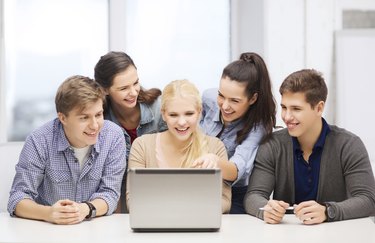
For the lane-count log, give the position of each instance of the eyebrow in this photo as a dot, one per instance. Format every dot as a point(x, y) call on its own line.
point(125, 86)
point(291, 106)
point(232, 98)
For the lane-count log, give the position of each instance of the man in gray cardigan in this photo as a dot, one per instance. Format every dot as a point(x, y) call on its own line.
point(322, 170)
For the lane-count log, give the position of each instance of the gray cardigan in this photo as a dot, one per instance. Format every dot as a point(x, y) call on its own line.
point(346, 178)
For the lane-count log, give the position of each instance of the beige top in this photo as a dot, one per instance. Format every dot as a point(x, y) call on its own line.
point(143, 154)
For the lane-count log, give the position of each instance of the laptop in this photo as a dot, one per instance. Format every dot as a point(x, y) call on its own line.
point(175, 199)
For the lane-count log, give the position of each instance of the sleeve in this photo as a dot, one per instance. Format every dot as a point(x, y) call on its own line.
point(137, 159)
point(359, 180)
point(245, 153)
point(29, 173)
point(113, 172)
point(209, 102)
point(226, 189)
point(261, 182)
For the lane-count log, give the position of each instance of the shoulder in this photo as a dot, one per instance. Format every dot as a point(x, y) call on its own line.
point(278, 140)
point(110, 132)
point(209, 95)
point(47, 131)
point(153, 106)
point(216, 146)
point(340, 132)
point(279, 136)
point(213, 142)
point(111, 127)
point(340, 137)
point(151, 112)
point(145, 139)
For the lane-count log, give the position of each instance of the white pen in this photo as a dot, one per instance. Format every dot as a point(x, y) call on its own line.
point(291, 208)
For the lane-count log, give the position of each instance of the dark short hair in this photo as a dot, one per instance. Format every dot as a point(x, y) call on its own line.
point(307, 81)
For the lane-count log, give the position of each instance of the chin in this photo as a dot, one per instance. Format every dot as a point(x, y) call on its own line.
point(294, 133)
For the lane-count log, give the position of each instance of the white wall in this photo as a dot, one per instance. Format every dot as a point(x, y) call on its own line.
point(355, 84)
point(297, 34)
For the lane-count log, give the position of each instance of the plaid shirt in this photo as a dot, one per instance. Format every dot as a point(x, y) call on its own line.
point(48, 171)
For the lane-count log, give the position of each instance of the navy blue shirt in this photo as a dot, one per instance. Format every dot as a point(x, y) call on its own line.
point(306, 174)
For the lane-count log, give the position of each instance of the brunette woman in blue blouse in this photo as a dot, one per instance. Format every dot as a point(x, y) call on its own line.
point(134, 109)
point(242, 114)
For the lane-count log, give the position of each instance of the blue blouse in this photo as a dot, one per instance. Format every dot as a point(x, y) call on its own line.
point(242, 155)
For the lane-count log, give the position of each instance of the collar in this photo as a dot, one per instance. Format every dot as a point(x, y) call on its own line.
point(63, 143)
point(319, 143)
point(147, 114)
point(217, 119)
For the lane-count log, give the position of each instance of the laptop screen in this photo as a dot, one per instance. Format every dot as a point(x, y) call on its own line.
point(175, 199)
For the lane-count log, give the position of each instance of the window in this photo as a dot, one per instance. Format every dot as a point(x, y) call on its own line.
point(46, 42)
point(178, 39)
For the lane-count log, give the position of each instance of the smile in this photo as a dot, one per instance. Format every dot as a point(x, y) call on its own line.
point(91, 134)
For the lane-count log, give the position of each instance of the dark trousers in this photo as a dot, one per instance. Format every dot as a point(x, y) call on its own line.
point(238, 194)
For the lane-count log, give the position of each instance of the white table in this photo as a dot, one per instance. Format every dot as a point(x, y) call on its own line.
point(235, 228)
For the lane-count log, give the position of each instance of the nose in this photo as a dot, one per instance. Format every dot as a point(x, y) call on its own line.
point(133, 91)
point(181, 121)
point(94, 123)
point(225, 105)
point(287, 115)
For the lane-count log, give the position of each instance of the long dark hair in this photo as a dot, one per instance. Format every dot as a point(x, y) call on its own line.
point(114, 63)
point(252, 70)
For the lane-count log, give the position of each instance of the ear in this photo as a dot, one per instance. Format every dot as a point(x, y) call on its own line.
point(320, 107)
point(106, 91)
point(61, 117)
point(253, 99)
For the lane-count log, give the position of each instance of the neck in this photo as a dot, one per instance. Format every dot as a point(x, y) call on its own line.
point(127, 117)
point(308, 140)
point(176, 144)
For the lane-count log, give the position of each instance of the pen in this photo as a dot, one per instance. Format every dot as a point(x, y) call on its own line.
point(291, 208)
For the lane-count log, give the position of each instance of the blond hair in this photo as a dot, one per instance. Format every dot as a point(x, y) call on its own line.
point(183, 89)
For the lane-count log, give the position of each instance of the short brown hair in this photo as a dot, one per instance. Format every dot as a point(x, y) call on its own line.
point(307, 81)
point(77, 91)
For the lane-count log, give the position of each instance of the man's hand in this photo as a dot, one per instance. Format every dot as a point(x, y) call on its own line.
point(310, 212)
point(67, 212)
point(274, 211)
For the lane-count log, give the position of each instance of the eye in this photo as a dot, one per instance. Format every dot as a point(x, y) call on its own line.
point(83, 118)
point(99, 115)
point(172, 114)
point(190, 113)
point(236, 101)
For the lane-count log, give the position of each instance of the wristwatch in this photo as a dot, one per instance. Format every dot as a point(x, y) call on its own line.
point(330, 212)
point(92, 212)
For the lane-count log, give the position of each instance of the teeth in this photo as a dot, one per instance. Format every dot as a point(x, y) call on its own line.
point(181, 130)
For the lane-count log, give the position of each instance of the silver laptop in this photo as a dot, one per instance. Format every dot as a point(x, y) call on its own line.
point(175, 199)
